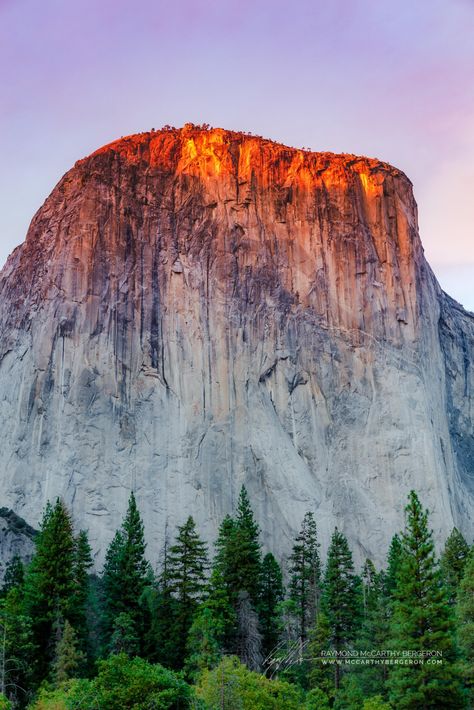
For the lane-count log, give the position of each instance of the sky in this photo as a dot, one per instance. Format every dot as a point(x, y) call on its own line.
point(392, 80)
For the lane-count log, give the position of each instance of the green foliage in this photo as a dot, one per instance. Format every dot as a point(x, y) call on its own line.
point(405, 608)
point(185, 580)
point(49, 583)
point(349, 695)
point(17, 651)
point(126, 571)
point(320, 675)
point(121, 683)
point(393, 564)
point(160, 638)
point(452, 563)
point(204, 643)
point(67, 657)
point(340, 599)
point(465, 626)
point(422, 621)
point(271, 594)
point(236, 569)
point(373, 633)
point(305, 574)
point(5, 704)
point(14, 575)
point(316, 699)
point(376, 702)
point(231, 686)
point(245, 551)
point(124, 636)
point(221, 595)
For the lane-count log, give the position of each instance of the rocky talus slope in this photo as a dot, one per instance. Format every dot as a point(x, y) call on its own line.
point(196, 309)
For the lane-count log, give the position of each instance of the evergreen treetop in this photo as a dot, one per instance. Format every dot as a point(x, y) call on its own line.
point(452, 562)
point(422, 622)
point(305, 574)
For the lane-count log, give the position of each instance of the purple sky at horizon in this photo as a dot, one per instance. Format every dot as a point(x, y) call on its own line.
point(390, 80)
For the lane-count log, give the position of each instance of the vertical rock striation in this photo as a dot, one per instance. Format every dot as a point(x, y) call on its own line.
point(196, 309)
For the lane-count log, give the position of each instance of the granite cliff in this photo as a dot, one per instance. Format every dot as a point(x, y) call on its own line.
point(196, 309)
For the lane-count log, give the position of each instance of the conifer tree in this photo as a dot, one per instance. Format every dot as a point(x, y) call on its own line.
point(340, 599)
point(421, 622)
point(126, 572)
point(186, 580)
point(452, 563)
point(124, 636)
point(49, 583)
point(465, 624)
point(245, 551)
point(271, 594)
point(236, 568)
point(82, 565)
point(373, 633)
point(305, 574)
point(67, 656)
point(320, 674)
point(221, 595)
point(14, 577)
point(17, 651)
point(393, 563)
point(162, 609)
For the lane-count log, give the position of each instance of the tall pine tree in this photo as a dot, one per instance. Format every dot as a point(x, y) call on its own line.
point(452, 563)
point(271, 594)
point(422, 623)
point(340, 598)
point(80, 600)
point(50, 583)
point(305, 575)
point(126, 572)
point(465, 624)
point(186, 580)
point(373, 632)
point(245, 551)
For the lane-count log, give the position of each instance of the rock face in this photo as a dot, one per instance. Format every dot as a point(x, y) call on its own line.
point(16, 538)
point(196, 309)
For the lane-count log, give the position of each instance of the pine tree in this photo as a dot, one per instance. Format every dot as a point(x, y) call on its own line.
point(82, 565)
point(452, 563)
point(421, 622)
point(124, 636)
point(49, 583)
point(186, 580)
point(17, 651)
point(374, 628)
point(236, 568)
point(271, 594)
point(67, 657)
point(245, 551)
point(320, 674)
point(305, 574)
point(393, 564)
point(14, 577)
point(111, 581)
point(126, 572)
point(220, 596)
point(465, 624)
point(340, 600)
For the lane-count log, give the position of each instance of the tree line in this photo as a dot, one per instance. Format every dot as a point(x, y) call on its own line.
point(227, 631)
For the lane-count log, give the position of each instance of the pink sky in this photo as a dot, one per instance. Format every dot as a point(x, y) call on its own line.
point(391, 80)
